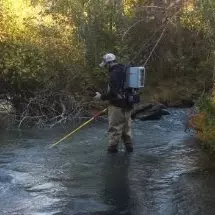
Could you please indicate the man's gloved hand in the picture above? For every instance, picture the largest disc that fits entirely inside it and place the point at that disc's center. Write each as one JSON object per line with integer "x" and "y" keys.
{"x": 97, "y": 96}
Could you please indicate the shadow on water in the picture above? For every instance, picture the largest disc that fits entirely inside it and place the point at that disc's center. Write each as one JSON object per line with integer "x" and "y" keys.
{"x": 98, "y": 188}
{"x": 116, "y": 183}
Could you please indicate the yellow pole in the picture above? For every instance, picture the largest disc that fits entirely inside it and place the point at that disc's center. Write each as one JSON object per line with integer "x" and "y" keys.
{"x": 77, "y": 129}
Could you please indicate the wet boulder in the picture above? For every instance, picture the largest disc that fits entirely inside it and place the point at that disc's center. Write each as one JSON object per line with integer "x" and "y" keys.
{"x": 149, "y": 112}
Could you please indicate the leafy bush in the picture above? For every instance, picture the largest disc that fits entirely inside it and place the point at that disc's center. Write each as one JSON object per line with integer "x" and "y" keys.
{"x": 204, "y": 121}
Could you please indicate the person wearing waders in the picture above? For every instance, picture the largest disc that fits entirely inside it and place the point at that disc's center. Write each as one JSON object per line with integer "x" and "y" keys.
{"x": 119, "y": 110}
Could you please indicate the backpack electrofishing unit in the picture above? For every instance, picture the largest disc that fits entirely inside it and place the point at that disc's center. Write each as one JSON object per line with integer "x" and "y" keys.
{"x": 134, "y": 81}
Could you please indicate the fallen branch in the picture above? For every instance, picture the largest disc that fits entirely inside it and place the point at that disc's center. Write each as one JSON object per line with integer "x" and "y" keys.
{"x": 49, "y": 109}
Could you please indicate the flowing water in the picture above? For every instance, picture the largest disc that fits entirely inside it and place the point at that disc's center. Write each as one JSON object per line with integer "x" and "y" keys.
{"x": 168, "y": 173}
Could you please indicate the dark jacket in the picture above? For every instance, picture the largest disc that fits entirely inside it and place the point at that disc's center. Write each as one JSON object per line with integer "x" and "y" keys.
{"x": 115, "y": 93}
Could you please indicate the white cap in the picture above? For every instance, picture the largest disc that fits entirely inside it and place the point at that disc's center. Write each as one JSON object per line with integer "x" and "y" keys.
{"x": 107, "y": 58}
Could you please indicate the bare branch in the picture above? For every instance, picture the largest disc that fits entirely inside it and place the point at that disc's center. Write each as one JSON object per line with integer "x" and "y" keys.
{"x": 156, "y": 44}
{"x": 171, "y": 5}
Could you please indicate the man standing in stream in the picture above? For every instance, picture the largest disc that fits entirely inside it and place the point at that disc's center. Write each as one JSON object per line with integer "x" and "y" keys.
{"x": 119, "y": 110}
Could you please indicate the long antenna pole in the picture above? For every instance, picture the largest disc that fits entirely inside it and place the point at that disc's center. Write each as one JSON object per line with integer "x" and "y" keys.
{"x": 80, "y": 127}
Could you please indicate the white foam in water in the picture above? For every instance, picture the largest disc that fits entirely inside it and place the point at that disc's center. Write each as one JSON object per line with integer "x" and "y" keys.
{"x": 41, "y": 187}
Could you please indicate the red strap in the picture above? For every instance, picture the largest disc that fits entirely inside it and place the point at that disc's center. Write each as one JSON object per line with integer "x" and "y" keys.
{"x": 99, "y": 113}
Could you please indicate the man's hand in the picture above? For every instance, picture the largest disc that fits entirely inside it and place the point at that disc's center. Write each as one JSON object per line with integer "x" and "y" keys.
{"x": 97, "y": 96}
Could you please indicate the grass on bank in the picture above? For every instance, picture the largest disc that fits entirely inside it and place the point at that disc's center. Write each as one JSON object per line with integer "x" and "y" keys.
{"x": 204, "y": 122}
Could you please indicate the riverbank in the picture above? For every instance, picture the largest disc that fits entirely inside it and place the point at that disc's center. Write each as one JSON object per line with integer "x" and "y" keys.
{"x": 144, "y": 111}
{"x": 203, "y": 122}
{"x": 6, "y": 114}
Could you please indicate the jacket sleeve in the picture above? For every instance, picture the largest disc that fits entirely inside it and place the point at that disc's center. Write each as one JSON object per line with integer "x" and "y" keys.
{"x": 114, "y": 87}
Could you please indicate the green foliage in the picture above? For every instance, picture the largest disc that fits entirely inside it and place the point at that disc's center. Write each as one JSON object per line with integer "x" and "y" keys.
{"x": 37, "y": 49}
{"x": 22, "y": 67}
{"x": 58, "y": 44}
{"x": 205, "y": 104}
{"x": 204, "y": 122}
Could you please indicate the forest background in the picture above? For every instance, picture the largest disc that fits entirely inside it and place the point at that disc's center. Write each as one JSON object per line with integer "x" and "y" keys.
{"x": 50, "y": 51}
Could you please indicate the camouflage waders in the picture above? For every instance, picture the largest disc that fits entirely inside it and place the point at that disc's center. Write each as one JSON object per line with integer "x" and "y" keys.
{"x": 119, "y": 125}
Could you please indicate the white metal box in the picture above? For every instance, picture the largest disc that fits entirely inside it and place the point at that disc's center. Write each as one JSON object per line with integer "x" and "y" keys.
{"x": 135, "y": 77}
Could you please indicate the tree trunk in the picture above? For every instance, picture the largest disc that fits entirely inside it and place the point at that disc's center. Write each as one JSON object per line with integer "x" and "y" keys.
{"x": 213, "y": 89}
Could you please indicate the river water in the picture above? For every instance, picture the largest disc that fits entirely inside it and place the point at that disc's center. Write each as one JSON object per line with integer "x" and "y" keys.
{"x": 168, "y": 173}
